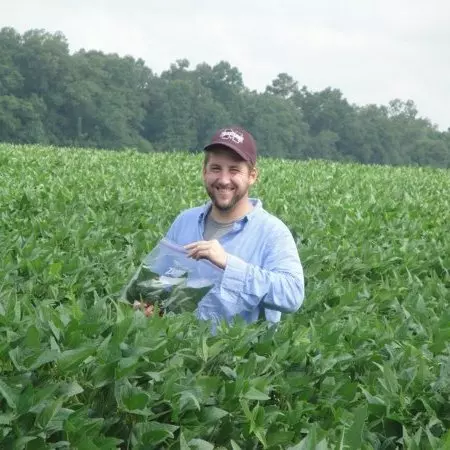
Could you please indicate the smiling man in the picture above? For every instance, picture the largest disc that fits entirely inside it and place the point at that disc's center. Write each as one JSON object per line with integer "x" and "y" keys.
{"x": 262, "y": 273}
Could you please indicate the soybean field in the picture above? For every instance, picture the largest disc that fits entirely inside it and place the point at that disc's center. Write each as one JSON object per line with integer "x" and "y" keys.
{"x": 364, "y": 364}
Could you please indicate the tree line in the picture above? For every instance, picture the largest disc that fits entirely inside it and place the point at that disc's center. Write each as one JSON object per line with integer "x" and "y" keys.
{"x": 92, "y": 99}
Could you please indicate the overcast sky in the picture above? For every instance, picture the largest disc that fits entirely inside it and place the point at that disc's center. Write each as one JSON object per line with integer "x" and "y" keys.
{"x": 372, "y": 50}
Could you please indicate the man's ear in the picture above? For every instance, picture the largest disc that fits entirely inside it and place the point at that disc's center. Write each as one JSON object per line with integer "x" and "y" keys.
{"x": 254, "y": 173}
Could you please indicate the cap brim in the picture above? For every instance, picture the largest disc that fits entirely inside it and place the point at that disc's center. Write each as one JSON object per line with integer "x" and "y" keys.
{"x": 229, "y": 146}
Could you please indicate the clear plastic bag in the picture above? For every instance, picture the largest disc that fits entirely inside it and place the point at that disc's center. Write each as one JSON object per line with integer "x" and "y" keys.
{"x": 172, "y": 281}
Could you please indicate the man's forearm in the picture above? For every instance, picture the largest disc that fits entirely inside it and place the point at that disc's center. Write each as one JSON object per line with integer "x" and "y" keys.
{"x": 248, "y": 285}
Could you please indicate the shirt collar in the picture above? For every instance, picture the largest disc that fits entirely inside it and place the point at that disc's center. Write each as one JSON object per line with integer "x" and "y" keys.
{"x": 257, "y": 207}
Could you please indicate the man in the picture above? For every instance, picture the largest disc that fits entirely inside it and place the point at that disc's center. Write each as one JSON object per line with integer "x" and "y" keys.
{"x": 262, "y": 272}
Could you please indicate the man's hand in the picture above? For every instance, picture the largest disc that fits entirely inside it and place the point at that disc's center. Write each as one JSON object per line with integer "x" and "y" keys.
{"x": 210, "y": 250}
{"x": 147, "y": 308}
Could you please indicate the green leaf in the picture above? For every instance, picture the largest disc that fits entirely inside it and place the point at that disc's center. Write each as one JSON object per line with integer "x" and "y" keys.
{"x": 204, "y": 354}
{"x": 183, "y": 443}
{"x": 22, "y": 441}
{"x": 229, "y": 372}
{"x": 32, "y": 338}
{"x": 153, "y": 433}
{"x": 36, "y": 399}
{"x": 9, "y": 394}
{"x": 376, "y": 404}
{"x": 188, "y": 401}
{"x": 254, "y": 394}
{"x": 136, "y": 401}
{"x": 131, "y": 399}
{"x": 234, "y": 446}
{"x": 7, "y": 418}
{"x": 126, "y": 367}
{"x": 212, "y": 414}
{"x": 44, "y": 358}
{"x": 354, "y": 435}
{"x": 47, "y": 414}
{"x": 200, "y": 444}
{"x": 156, "y": 376}
{"x": 70, "y": 389}
{"x": 61, "y": 444}
{"x": 282, "y": 438}
{"x": 309, "y": 442}
{"x": 55, "y": 269}
{"x": 260, "y": 433}
{"x": 71, "y": 359}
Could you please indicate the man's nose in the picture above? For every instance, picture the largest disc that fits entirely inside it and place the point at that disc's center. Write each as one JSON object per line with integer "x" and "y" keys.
{"x": 224, "y": 177}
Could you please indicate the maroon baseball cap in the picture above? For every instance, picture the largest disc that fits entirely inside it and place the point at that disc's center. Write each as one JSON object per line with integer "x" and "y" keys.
{"x": 236, "y": 139}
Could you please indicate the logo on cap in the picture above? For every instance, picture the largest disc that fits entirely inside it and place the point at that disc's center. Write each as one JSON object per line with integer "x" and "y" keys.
{"x": 232, "y": 135}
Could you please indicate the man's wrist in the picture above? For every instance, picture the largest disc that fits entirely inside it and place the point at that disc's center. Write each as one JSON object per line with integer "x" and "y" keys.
{"x": 224, "y": 263}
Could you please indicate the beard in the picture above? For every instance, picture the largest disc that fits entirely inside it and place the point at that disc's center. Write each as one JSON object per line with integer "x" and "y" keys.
{"x": 225, "y": 203}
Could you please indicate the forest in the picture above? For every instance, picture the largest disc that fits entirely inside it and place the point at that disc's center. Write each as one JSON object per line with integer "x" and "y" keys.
{"x": 88, "y": 98}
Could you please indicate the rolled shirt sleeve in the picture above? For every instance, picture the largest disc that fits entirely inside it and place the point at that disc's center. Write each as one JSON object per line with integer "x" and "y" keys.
{"x": 278, "y": 284}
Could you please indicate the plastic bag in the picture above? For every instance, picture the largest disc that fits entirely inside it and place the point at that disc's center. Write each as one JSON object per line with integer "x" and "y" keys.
{"x": 172, "y": 281}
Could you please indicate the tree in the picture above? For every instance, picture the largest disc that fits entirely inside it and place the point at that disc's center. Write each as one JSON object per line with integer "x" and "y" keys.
{"x": 398, "y": 108}
{"x": 43, "y": 60}
{"x": 11, "y": 79}
{"x": 21, "y": 119}
{"x": 182, "y": 114}
{"x": 226, "y": 86}
{"x": 177, "y": 71}
{"x": 106, "y": 100}
{"x": 328, "y": 110}
{"x": 284, "y": 86}
{"x": 323, "y": 146}
{"x": 379, "y": 143}
{"x": 276, "y": 124}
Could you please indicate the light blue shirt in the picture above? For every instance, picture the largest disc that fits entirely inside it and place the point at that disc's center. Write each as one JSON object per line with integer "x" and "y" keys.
{"x": 263, "y": 276}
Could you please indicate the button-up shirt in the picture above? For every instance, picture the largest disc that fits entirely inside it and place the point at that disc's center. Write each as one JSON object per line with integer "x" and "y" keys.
{"x": 263, "y": 277}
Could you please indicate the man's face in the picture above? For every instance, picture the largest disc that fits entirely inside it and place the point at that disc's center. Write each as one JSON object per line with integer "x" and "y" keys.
{"x": 227, "y": 179}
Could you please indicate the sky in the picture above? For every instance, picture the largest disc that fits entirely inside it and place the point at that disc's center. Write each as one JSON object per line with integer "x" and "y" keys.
{"x": 372, "y": 50}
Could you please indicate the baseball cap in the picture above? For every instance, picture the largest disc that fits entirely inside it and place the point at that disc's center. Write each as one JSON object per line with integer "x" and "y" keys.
{"x": 236, "y": 139}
